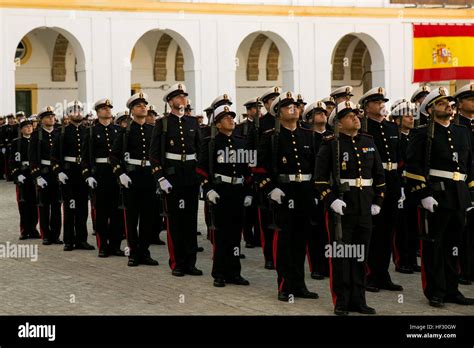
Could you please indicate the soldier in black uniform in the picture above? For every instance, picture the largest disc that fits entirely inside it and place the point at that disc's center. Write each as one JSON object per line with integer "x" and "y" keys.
{"x": 225, "y": 181}
{"x": 97, "y": 172}
{"x": 131, "y": 164}
{"x": 439, "y": 171}
{"x": 10, "y": 132}
{"x": 285, "y": 166}
{"x": 122, "y": 119}
{"x": 465, "y": 117}
{"x": 47, "y": 186}
{"x": 385, "y": 135}
{"x": 356, "y": 193}
{"x": 405, "y": 239}
{"x": 25, "y": 188}
{"x": 247, "y": 130}
{"x": 174, "y": 149}
{"x": 418, "y": 97}
{"x": 66, "y": 157}
{"x": 315, "y": 116}
{"x": 341, "y": 94}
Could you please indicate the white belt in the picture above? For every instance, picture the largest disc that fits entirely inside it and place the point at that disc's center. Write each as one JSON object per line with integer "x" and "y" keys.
{"x": 143, "y": 163}
{"x": 46, "y": 162}
{"x": 25, "y": 163}
{"x": 297, "y": 177}
{"x": 389, "y": 166}
{"x": 230, "y": 179}
{"x": 178, "y": 157}
{"x": 456, "y": 176}
{"x": 72, "y": 159}
{"x": 102, "y": 160}
{"x": 359, "y": 182}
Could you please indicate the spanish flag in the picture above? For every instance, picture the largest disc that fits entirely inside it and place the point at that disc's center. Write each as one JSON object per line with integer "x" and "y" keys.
{"x": 443, "y": 52}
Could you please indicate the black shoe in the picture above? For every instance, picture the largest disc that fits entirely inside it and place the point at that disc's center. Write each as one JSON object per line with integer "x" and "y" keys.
{"x": 35, "y": 235}
{"x": 148, "y": 261}
{"x": 283, "y": 296}
{"x": 317, "y": 275}
{"x": 241, "y": 256}
{"x": 462, "y": 280}
{"x": 23, "y": 237}
{"x": 362, "y": 309}
{"x": 177, "y": 272}
{"x": 305, "y": 293}
{"x": 372, "y": 287}
{"x": 83, "y": 246}
{"x": 269, "y": 265}
{"x": 132, "y": 262}
{"x": 58, "y": 241}
{"x": 436, "y": 302}
{"x": 416, "y": 268}
{"x": 460, "y": 300}
{"x": 249, "y": 245}
{"x": 389, "y": 285}
{"x": 103, "y": 253}
{"x": 238, "y": 281}
{"x": 341, "y": 310}
{"x": 219, "y": 283}
{"x": 405, "y": 270}
{"x": 117, "y": 252}
{"x": 68, "y": 247}
{"x": 199, "y": 249}
{"x": 193, "y": 271}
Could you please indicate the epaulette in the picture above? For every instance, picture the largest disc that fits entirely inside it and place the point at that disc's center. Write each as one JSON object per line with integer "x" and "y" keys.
{"x": 328, "y": 137}
{"x": 422, "y": 126}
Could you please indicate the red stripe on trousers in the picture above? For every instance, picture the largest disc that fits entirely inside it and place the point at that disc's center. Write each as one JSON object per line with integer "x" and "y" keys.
{"x": 275, "y": 247}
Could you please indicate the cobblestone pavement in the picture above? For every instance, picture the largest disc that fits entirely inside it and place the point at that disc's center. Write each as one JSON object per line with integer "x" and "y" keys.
{"x": 78, "y": 282}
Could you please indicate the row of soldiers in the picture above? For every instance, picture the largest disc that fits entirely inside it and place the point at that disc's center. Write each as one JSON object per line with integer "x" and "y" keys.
{"x": 328, "y": 174}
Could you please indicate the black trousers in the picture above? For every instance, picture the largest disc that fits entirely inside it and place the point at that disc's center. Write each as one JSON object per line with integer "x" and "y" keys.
{"x": 347, "y": 278}
{"x": 49, "y": 207}
{"x": 2, "y": 165}
{"x": 75, "y": 206}
{"x": 27, "y": 208}
{"x": 182, "y": 209}
{"x": 439, "y": 265}
{"x": 139, "y": 198}
{"x": 227, "y": 235}
{"x": 108, "y": 217}
{"x": 466, "y": 249}
{"x": 381, "y": 240}
{"x": 290, "y": 248}
{"x": 266, "y": 234}
{"x": 405, "y": 238}
{"x": 317, "y": 241}
{"x": 251, "y": 227}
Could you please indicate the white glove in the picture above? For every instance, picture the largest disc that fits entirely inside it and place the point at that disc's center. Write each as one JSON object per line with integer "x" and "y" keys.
{"x": 277, "y": 195}
{"x": 125, "y": 180}
{"x": 429, "y": 203}
{"x": 165, "y": 185}
{"x": 248, "y": 201}
{"x": 4, "y": 150}
{"x": 375, "y": 209}
{"x": 213, "y": 197}
{"x": 41, "y": 182}
{"x": 91, "y": 182}
{"x": 402, "y": 196}
{"x": 21, "y": 179}
{"x": 471, "y": 207}
{"x": 316, "y": 201}
{"x": 337, "y": 206}
{"x": 62, "y": 177}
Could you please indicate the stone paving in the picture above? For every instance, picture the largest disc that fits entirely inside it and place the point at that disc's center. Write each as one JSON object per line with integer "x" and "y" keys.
{"x": 79, "y": 283}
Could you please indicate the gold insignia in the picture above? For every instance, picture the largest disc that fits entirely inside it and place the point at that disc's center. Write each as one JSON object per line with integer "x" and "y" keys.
{"x": 171, "y": 142}
{"x": 225, "y": 97}
{"x": 471, "y": 87}
{"x": 140, "y": 95}
{"x": 424, "y": 88}
{"x": 49, "y": 109}
{"x": 343, "y": 166}
{"x": 107, "y": 102}
{"x": 283, "y": 159}
{"x": 319, "y": 104}
{"x": 220, "y": 159}
{"x": 348, "y": 104}
{"x": 276, "y": 90}
{"x": 180, "y": 86}
{"x": 299, "y": 97}
{"x": 348, "y": 89}
{"x": 288, "y": 95}
{"x": 126, "y": 113}
{"x": 380, "y": 90}
{"x": 442, "y": 91}
{"x": 226, "y": 109}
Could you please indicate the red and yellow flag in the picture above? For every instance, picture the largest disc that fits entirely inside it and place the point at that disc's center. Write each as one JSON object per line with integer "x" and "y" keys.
{"x": 443, "y": 52}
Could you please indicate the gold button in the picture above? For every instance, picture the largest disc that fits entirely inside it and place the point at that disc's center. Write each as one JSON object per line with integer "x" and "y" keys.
{"x": 296, "y": 156}
{"x": 386, "y": 145}
{"x": 295, "y": 149}
{"x": 452, "y": 147}
{"x": 143, "y": 145}
{"x": 182, "y": 138}
{"x": 383, "y": 134}
{"x": 294, "y": 142}
{"x": 359, "y": 162}
{"x": 449, "y": 139}
{"x": 355, "y": 148}
{"x": 298, "y": 163}
{"x": 358, "y": 155}
{"x": 184, "y": 151}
